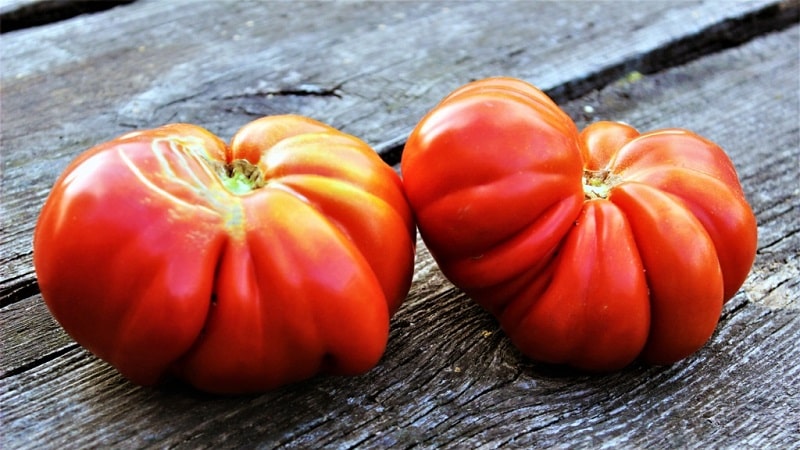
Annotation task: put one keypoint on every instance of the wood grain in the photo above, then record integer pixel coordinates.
(370, 69)
(449, 378)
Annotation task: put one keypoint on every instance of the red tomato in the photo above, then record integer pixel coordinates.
(238, 268)
(592, 248)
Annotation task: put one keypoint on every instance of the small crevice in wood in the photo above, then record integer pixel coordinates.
(34, 14)
(391, 151)
(39, 361)
(715, 38)
(18, 292)
(302, 90)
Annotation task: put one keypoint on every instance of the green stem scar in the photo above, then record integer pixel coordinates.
(598, 183)
(240, 176)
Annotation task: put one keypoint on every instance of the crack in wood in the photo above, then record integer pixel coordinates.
(713, 39)
(17, 292)
(38, 13)
(301, 90)
(392, 150)
(39, 361)
(254, 101)
(766, 247)
(730, 310)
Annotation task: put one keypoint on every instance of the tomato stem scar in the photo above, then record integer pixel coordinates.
(240, 176)
(597, 184)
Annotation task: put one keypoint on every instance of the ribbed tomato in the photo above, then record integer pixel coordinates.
(238, 268)
(591, 248)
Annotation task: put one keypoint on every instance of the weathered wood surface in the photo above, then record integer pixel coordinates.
(449, 376)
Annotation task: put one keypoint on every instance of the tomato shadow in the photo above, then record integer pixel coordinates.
(567, 375)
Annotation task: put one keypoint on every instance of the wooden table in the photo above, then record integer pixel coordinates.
(728, 70)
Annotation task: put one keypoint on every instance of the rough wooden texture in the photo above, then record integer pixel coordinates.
(449, 376)
(370, 69)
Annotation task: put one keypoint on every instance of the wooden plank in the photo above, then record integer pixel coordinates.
(450, 378)
(371, 69)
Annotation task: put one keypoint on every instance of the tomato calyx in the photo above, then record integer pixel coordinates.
(240, 176)
(597, 184)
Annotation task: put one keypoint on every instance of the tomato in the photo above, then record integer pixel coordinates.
(237, 268)
(591, 248)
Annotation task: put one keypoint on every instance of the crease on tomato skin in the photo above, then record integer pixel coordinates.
(682, 270)
(355, 327)
(266, 132)
(140, 337)
(160, 176)
(590, 309)
(345, 158)
(151, 333)
(600, 142)
(463, 130)
(366, 220)
(460, 129)
(116, 237)
(350, 167)
(723, 212)
(519, 253)
(497, 298)
(483, 216)
(296, 333)
(211, 364)
(694, 169)
(677, 148)
(176, 168)
(210, 146)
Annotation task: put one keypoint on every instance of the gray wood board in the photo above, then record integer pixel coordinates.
(449, 376)
(371, 69)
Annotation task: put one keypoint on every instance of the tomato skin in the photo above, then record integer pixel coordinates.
(594, 312)
(151, 261)
(592, 249)
(467, 170)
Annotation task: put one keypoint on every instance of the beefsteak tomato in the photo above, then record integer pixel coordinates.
(590, 248)
(238, 268)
